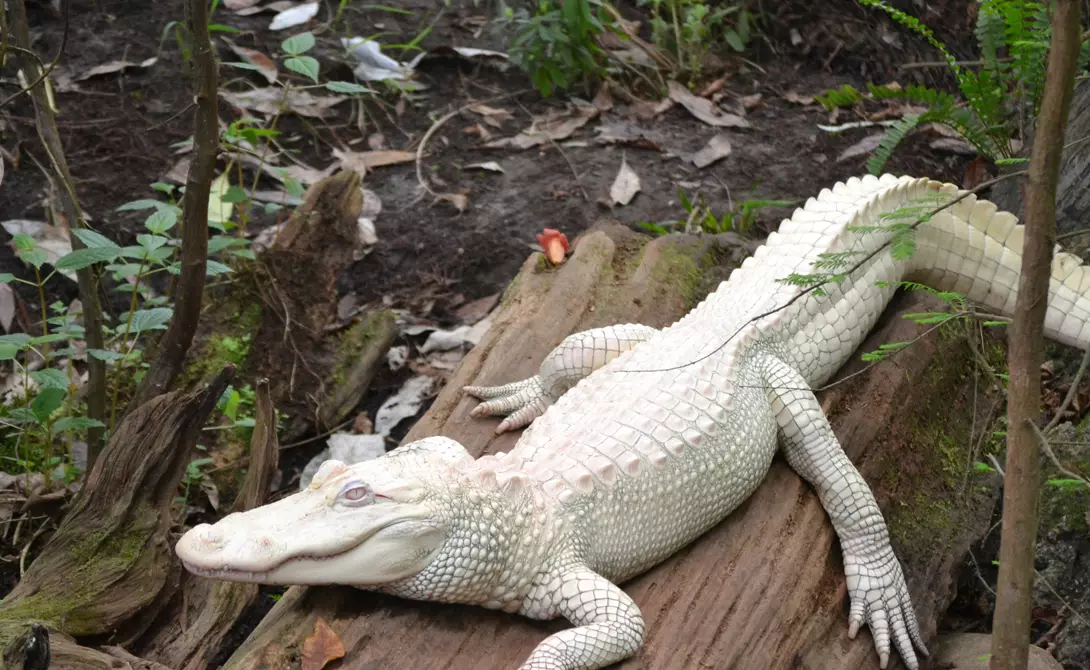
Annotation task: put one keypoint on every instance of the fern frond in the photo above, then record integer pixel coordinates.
(893, 137)
(845, 96)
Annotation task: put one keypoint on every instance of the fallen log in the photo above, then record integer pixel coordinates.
(763, 589)
(109, 568)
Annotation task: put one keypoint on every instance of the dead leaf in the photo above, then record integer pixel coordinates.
(863, 146)
(376, 141)
(372, 204)
(798, 98)
(235, 5)
(180, 172)
(603, 100)
(295, 16)
(321, 647)
(7, 306)
(953, 145)
(622, 132)
(491, 166)
(492, 116)
(975, 174)
(625, 186)
(718, 147)
(478, 130)
(713, 87)
(704, 109)
(268, 101)
(459, 200)
(751, 101)
(263, 63)
(365, 161)
(542, 131)
(115, 66)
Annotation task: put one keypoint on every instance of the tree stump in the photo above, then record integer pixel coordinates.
(765, 588)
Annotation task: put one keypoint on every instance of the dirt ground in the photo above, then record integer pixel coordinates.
(119, 132)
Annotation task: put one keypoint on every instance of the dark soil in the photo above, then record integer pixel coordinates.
(119, 131)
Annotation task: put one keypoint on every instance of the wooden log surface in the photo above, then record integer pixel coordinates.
(763, 589)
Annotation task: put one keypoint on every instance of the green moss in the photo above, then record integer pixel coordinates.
(230, 344)
(354, 341)
(687, 268)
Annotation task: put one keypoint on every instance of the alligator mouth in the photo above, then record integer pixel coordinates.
(257, 576)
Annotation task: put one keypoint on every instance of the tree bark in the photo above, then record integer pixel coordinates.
(190, 288)
(763, 589)
(1014, 589)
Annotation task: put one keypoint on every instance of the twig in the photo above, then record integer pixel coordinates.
(187, 301)
(925, 64)
(87, 278)
(443, 119)
(1047, 448)
(1071, 393)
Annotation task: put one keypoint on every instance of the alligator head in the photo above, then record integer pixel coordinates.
(367, 524)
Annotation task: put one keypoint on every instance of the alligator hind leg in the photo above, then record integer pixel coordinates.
(876, 584)
(572, 360)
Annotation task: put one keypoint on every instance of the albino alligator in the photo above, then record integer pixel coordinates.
(642, 439)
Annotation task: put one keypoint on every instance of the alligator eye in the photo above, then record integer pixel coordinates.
(357, 494)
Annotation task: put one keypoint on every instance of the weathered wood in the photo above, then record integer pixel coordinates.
(109, 568)
(764, 589)
(190, 631)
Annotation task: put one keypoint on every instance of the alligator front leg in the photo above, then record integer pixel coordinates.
(608, 625)
(876, 584)
(572, 360)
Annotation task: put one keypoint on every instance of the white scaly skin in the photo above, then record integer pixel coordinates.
(666, 433)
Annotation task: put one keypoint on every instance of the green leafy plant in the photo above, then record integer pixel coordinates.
(998, 98)
(739, 218)
(556, 43)
(690, 29)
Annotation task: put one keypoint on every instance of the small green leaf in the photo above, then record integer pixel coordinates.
(82, 258)
(22, 415)
(23, 242)
(21, 340)
(982, 467)
(220, 28)
(151, 242)
(161, 221)
(52, 337)
(348, 87)
(94, 240)
(8, 351)
(35, 257)
(67, 423)
(294, 187)
(1065, 483)
(163, 187)
(234, 194)
(51, 378)
(145, 203)
(214, 268)
(103, 355)
(304, 65)
(46, 402)
(298, 44)
(6, 277)
(150, 319)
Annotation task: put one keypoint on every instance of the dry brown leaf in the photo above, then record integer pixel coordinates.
(493, 116)
(863, 146)
(321, 647)
(491, 166)
(975, 174)
(798, 98)
(235, 5)
(953, 145)
(717, 147)
(603, 100)
(365, 161)
(7, 306)
(542, 131)
(376, 141)
(459, 200)
(713, 87)
(752, 101)
(114, 66)
(704, 109)
(625, 186)
(263, 63)
(268, 100)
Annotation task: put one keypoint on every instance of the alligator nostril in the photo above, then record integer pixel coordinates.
(211, 538)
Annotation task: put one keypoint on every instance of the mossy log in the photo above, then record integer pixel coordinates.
(763, 589)
(278, 320)
(109, 568)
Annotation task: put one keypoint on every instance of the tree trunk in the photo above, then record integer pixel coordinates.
(1014, 588)
(766, 587)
